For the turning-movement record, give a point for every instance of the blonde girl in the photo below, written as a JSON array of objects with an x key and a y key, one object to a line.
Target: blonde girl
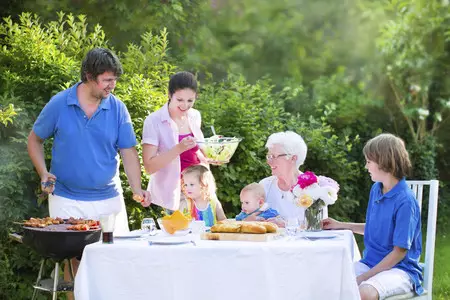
[{"x": 199, "y": 187}]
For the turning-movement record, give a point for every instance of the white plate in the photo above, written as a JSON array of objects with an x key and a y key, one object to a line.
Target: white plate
[
  {"x": 169, "y": 240},
  {"x": 318, "y": 235},
  {"x": 177, "y": 233},
  {"x": 131, "y": 234}
]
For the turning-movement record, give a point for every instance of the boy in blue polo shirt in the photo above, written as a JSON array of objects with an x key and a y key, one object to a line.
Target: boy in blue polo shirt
[
  {"x": 89, "y": 126},
  {"x": 392, "y": 232}
]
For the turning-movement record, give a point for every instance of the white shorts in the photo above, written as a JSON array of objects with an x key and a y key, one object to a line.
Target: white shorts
[
  {"x": 65, "y": 208},
  {"x": 387, "y": 283}
]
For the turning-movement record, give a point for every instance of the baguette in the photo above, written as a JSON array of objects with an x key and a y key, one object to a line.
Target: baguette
[
  {"x": 244, "y": 227},
  {"x": 229, "y": 227},
  {"x": 270, "y": 227},
  {"x": 252, "y": 227}
]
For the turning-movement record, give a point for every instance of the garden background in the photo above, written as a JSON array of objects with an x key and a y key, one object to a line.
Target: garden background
[{"x": 336, "y": 72}]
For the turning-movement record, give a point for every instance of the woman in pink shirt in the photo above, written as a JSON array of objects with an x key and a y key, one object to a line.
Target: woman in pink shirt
[{"x": 170, "y": 141}]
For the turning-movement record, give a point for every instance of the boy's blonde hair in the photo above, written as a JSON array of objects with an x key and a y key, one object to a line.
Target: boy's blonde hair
[
  {"x": 257, "y": 189},
  {"x": 389, "y": 152},
  {"x": 205, "y": 177}
]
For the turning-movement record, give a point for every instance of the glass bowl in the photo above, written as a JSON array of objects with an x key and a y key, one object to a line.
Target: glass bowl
[{"x": 219, "y": 150}]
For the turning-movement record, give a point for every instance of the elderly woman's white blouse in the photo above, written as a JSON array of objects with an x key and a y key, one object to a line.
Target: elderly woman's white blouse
[{"x": 282, "y": 201}]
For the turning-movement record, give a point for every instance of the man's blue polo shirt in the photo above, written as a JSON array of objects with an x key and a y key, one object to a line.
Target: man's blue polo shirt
[
  {"x": 85, "y": 156},
  {"x": 393, "y": 219}
]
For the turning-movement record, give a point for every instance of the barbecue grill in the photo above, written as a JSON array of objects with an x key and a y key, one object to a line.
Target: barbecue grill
[{"x": 58, "y": 243}]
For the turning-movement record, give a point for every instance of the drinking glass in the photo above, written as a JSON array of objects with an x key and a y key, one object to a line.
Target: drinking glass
[
  {"x": 107, "y": 223},
  {"x": 198, "y": 227},
  {"x": 148, "y": 226},
  {"x": 292, "y": 226}
]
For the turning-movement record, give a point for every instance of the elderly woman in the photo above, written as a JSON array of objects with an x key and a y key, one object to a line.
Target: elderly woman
[{"x": 286, "y": 153}]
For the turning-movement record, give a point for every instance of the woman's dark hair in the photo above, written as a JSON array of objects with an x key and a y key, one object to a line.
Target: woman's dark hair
[
  {"x": 99, "y": 61},
  {"x": 182, "y": 80}
]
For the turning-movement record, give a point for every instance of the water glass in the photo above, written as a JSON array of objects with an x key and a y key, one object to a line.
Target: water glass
[
  {"x": 292, "y": 226},
  {"x": 148, "y": 226},
  {"x": 198, "y": 227}
]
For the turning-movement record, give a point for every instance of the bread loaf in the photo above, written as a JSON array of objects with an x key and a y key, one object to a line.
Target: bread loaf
[
  {"x": 270, "y": 227},
  {"x": 229, "y": 227},
  {"x": 245, "y": 227},
  {"x": 252, "y": 227}
]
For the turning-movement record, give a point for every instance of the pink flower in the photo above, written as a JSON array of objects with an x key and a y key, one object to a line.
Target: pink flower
[{"x": 306, "y": 179}]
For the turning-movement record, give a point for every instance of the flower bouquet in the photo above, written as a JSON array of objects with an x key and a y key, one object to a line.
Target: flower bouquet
[{"x": 314, "y": 193}]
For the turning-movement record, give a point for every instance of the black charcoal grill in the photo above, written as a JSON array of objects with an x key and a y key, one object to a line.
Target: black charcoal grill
[{"x": 58, "y": 243}]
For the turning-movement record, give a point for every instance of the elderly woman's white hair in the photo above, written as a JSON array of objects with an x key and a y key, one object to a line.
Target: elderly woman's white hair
[{"x": 291, "y": 142}]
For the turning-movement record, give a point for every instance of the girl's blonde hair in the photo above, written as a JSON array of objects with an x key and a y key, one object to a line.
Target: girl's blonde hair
[
  {"x": 205, "y": 176},
  {"x": 389, "y": 152}
]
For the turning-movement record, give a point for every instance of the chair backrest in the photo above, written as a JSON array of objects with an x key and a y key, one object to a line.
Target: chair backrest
[{"x": 417, "y": 187}]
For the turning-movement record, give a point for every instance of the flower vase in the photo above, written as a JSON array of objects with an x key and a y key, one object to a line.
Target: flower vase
[{"x": 314, "y": 217}]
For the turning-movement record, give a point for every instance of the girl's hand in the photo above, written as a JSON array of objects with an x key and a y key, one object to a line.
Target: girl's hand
[
  {"x": 330, "y": 223},
  {"x": 186, "y": 144}
]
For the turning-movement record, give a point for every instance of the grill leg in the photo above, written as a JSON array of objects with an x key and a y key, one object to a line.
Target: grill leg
[
  {"x": 72, "y": 277},
  {"x": 38, "y": 278},
  {"x": 55, "y": 282}
]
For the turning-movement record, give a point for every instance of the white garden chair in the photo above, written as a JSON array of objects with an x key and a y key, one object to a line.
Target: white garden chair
[{"x": 428, "y": 264}]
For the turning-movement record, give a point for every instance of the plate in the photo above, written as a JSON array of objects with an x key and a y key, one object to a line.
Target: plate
[
  {"x": 169, "y": 240},
  {"x": 132, "y": 234},
  {"x": 177, "y": 233},
  {"x": 318, "y": 235}
]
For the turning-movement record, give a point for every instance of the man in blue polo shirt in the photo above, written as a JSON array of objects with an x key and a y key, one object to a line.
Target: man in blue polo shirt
[{"x": 90, "y": 126}]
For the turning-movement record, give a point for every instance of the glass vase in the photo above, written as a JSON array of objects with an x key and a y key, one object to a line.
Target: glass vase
[{"x": 314, "y": 217}]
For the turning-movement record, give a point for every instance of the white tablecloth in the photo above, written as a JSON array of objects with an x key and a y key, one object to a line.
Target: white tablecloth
[{"x": 277, "y": 270}]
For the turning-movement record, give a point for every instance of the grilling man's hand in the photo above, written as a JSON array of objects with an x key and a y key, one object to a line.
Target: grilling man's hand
[{"x": 48, "y": 181}]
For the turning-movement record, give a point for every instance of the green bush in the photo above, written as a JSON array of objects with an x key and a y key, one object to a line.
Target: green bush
[
  {"x": 36, "y": 62},
  {"x": 253, "y": 112}
]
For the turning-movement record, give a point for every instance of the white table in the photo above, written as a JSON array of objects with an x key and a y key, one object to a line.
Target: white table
[{"x": 277, "y": 270}]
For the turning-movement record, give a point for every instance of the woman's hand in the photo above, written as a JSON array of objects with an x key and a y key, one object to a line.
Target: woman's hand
[
  {"x": 186, "y": 144},
  {"x": 330, "y": 223}
]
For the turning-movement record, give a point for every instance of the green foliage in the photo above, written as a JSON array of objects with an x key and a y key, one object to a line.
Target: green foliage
[
  {"x": 237, "y": 108},
  {"x": 6, "y": 115},
  {"x": 414, "y": 46},
  {"x": 285, "y": 39},
  {"x": 331, "y": 155},
  {"x": 253, "y": 112},
  {"x": 36, "y": 62},
  {"x": 124, "y": 21}
]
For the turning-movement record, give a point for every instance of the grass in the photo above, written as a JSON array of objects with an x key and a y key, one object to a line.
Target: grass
[{"x": 441, "y": 280}]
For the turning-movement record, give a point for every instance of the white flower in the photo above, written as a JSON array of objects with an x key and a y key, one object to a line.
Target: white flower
[{"x": 327, "y": 192}]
